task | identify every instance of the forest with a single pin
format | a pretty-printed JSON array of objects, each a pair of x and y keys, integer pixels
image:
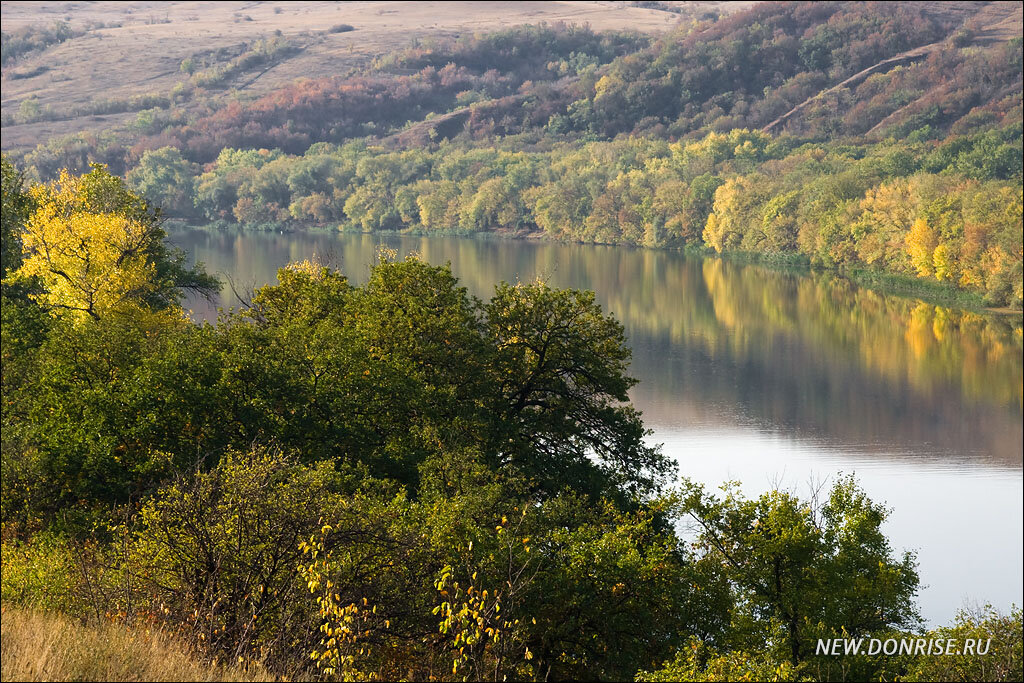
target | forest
[
  {"x": 727, "y": 135},
  {"x": 395, "y": 480},
  {"x": 950, "y": 213}
]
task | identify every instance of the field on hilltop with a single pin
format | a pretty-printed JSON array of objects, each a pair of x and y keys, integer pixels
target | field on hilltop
[{"x": 125, "y": 49}]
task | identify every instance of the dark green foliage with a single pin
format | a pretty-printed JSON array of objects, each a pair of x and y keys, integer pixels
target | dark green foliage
[
  {"x": 17, "y": 206},
  {"x": 571, "y": 579},
  {"x": 23, "y": 331},
  {"x": 530, "y": 52},
  {"x": 995, "y": 154},
  {"x": 804, "y": 570},
  {"x": 383, "y": 376},
  {"x": 560, "y": 374}
]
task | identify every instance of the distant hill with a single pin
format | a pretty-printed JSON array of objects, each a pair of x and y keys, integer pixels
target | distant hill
[
  {"x": 884, "y": 137},
  {"x": 110, "y": 52},
  {"x": 206, "y": 78}
]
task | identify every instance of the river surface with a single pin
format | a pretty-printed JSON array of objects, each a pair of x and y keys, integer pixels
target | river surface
[{"x": 775, "y": 379}]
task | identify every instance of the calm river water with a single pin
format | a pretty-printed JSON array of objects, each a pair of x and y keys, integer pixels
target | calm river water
[{"x": 774, "y": 379}]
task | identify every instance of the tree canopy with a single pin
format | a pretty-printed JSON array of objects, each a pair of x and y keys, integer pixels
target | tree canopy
[{"x": 98, "y": 248}]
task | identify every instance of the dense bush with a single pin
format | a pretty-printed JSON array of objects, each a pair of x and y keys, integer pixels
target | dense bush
[{"x": 217, "y": 551}]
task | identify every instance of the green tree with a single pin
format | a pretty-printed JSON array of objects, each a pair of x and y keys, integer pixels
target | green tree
[
  {"x": 17, "y": 206},
  {"x": 560, "y": 402},
  {"x": 804, "y": 569},
  {"x": 166, "y": 180}
]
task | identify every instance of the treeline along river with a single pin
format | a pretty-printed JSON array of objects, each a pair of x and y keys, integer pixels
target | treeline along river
[{"x": 775, "y": 379}]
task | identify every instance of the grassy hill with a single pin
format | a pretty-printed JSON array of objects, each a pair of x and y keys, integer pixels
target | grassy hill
[
  {"x": 119, "y": 50},
  {"x": 782, "y": 129}
]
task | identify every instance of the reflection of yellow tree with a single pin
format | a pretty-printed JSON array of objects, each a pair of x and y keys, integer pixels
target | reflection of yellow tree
[
  {"x": 723, "y": 301},
  {"x": 979, "y": 355},
  {"x": 938, "y": 346},
  {"x": 919, "y": 333}
]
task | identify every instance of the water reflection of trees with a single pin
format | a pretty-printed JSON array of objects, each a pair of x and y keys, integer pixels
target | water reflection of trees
[
  {"x": 934, "y": 348},
  {"x": 794, "y": 351}
]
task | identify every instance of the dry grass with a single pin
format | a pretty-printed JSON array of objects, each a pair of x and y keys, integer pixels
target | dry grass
[
  {"x": 46, "y": 647},
  {"x": 143, "y": 53}
]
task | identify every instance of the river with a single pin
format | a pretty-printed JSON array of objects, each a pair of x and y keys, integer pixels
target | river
[{"x": 772, "y": 378}]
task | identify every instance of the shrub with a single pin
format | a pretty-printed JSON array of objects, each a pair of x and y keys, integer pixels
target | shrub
[
  {"x": 1003, "y": 661},
  {"x": 40, "y": 573},
  {"x": 219, "y": 551}
]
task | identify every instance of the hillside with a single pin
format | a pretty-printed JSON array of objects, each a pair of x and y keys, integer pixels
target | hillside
[
  {"x": 988, "y": 25},
  {"x": 821, "y": 70},
  {"x": 877, "y": 136},
  {"x": 123, "y": 49}
]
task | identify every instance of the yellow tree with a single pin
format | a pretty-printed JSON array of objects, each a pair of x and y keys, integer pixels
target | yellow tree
[
  {"x": 886, "y": 218},
  {"x": 736, "y": 204},
  {"x": 946, "y": 262},
  {"x": 96, "y": 247},
  {"x": 921, "y": 243}
]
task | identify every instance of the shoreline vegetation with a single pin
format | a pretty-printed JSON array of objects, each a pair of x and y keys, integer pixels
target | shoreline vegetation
[
  {"x": 742, "y": 193},
  {"x": 939, "y": 293},
  {"x": 859, "y": 137}
]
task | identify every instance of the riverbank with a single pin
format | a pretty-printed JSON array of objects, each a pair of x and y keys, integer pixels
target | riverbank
[{"x": 926, "y": 290}]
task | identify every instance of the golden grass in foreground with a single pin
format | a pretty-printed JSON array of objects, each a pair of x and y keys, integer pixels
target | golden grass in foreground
[{"x": 45, "y": 647}]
